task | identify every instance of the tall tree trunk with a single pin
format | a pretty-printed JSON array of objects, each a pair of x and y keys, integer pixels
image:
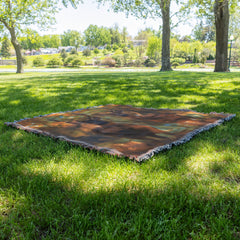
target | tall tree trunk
[
  {"x": 165, "y": 8},
  {"x": 17, "y": 48},
  {"x": 221, "y": 12}
]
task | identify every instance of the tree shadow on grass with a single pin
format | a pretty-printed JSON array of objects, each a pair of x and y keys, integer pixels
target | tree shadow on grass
[
  {"x": 52, "y": 93},
  {"x": 37, "y": 95},
  {"x": 110, "y": 198},
  {"x": 62, "y": 93},
  {"x": 43, "y": 206},
  {"x": 95, "y": 86}
]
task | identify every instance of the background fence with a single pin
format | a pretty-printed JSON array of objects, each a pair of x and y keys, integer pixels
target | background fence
[{"x": 8, "y": 62}]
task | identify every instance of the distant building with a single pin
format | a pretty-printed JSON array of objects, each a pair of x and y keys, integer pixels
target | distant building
[
  {"x": 33, "y": 52},
  {"x": 48, "y": 50},
  {"x": 137, "y": 43},
  {"x": 82, "y": 48},
  {"x": 8, "y": 62},
  {"x": 102, "y": 47},
  {"x": 67, "y": 48}
]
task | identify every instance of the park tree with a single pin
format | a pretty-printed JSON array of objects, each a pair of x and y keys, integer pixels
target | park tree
[
  {"x": 234, "y": 26},
  {"x": 165, "y": 10},
  {"x": 221, "y": 10},
  {"x": 51, "y": 41},
  {"x": 31, "y": 40},
  {"x": 17, "y": 15},
  {"x": 115, "y": 35},
  {"x": 145, "y": 9},
  {"x": 5, "y": 49},
  {"x": 144, "y": 34},
  {"x": 221, "y": 13},
  {"x": 46, "y": 41},
  {"x": 72, "y": 38},
  {"x": 154, "y": 48},
  {"x": 97, "y": 36},
  {"x": 124, "y": 35},
  {"x": 186, "y": 38},
  {"x": 205, "y": 32},
  {"x": 23, "y": 42}
]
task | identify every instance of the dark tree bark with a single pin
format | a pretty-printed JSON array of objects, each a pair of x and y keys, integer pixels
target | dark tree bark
[
  {"x": 17, "y": 48},
  {"x": 221, "y": 12},
  {"x": 11, "y": 28},
  {"x": 165, "y": 8},
  {"x": 16, "y": 45}
]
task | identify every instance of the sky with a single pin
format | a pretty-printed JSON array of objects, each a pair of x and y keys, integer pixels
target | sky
[{"x": 88, "y": 13}]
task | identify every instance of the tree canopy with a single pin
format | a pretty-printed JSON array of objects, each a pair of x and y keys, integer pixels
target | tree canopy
[
  {"x": 145, "y": 9},
  {"x": 17, "y": 15},
  {"x": 22, "y": 13},
  {"x": 234, "y": 25},
  {"x": 5, "y": 49},
  {"x": 71, "y": 38},
  {"x": 220, "y": 10},
  {"x": 97, "y": 36}
]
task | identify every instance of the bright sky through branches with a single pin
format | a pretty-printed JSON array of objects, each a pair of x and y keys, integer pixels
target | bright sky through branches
[{"x": 88, "y": 13}]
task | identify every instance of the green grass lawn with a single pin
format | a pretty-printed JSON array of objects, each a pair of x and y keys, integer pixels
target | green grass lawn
[{"x": 53, "y": 190}]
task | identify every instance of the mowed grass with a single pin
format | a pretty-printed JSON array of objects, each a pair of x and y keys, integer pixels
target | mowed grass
[{"x": 53, "y": 190}]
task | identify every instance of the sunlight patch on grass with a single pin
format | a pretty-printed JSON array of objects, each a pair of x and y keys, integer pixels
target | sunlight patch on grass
[
  {"x": 69, "y": 174},
  {"x": 5, "y": 207},
  {"x": 15, "y": 102},
  {"x": 86, "y": 178},
  {"x": 17, "y": 136},
  {"x": 51, "y": 189},
  {"x": 110, "y": 98},
  {"x": 10, "y": 202}
]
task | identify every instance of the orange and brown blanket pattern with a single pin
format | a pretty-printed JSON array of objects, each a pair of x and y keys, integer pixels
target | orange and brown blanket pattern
[{"x": 136, "y": 133}]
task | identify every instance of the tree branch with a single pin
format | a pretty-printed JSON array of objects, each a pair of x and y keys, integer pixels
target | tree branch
[{"x": 5, "y": 23}]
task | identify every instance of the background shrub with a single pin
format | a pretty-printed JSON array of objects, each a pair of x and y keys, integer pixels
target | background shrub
[
  {"x": 63, "y": 54},
  {"x": 86, "y": 52},
  {"x": 76, "y": 62},
  {"x": 105, "y": 51},
  {"x": 126, "y": 58},
  {"x": 119, "y": 60},
  {"x": 109, "y": 48},
  {"x": 203, "y": 59},
  {"x": 175, "y": 64},
  {"x": 150, "y": 62},
  {"x": 125, "y": 50},
  {"x": 54, "y": 62},
  {"x": 68, "y": 60},
  {"x": 118, "y": 52},
  {"x": 178, "y": 60},
  {"x": 96, "y": 50},
  {"x": 74, "y": 51},
  {"x": 109, "y": 62},
  {"x": 138, "y": 62},
  {"x": 73, "y": 61},
  {"x": 38, "y": 62},
  {"x": 97, "y": 62},
  {"x": 130, "y": 63},
  {"x": 115, "y": 46}
]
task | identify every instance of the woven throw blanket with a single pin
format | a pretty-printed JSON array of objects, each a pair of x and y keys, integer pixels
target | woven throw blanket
[{"x": 136, "y": 133}]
